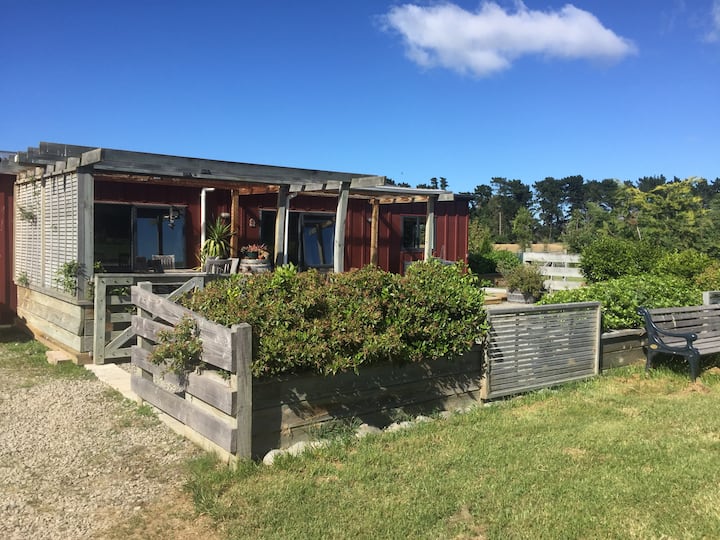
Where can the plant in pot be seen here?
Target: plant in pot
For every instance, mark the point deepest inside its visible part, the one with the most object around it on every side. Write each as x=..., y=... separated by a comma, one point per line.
x=524, y=282
x=217, y=242
x=255, y=251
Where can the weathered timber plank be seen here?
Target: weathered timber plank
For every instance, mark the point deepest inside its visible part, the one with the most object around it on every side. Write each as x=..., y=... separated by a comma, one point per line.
x=214, y=393
x=493, y=312
x=67, y=316
x=122, y=317
x=212, y=352
x=289, y=415
x=147, y=328
x=530, y=363
x=539, y=372
x=496, y=392
x=118, y=340
x=218, y=394
x=99, y=309
x=119, y=353
x=215, y=338
x=529, y=350
x=538, y=347
x=242, y=357
x=295, y=388
x=206, y=424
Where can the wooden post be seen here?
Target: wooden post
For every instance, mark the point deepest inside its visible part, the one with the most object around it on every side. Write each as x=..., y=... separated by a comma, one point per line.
x=236, y=224
x=374, y=231
x=242, y=360
x=145, y=286
x=280, y=217
x=86, y=239
x=340, y=222
x=99, y=316
x=430, y=227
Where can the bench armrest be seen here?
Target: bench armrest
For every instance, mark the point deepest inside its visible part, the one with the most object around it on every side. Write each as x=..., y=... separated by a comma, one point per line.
x=655, y=333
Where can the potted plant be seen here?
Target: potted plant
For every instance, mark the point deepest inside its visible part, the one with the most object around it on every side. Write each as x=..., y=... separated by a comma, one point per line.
x=217, y=243
x=255, y=251
x=525, y=283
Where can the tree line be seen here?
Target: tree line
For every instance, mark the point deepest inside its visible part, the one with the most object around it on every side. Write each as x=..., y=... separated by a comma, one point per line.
x=674, y=214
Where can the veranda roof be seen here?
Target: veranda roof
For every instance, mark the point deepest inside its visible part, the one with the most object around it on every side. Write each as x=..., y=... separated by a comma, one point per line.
x=55, y=158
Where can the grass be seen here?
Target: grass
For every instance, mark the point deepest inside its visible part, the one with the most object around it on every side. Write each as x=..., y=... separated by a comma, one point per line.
x=622, y=456
x=22, y=356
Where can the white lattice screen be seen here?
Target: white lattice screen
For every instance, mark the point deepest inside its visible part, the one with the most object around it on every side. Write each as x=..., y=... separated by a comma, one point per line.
x=59, y=225
x=28, y=203
x=46, y=228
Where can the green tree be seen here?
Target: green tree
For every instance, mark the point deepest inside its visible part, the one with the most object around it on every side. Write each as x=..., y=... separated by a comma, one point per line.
x=669, y=215
x=549, y=200
x=648, y=183
x=523, y=227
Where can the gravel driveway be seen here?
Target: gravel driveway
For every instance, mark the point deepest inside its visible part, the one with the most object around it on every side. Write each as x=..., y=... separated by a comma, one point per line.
x=78, y=461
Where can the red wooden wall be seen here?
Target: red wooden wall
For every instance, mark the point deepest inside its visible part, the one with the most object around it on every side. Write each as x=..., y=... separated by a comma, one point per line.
x=451, y=220
x=8, y=293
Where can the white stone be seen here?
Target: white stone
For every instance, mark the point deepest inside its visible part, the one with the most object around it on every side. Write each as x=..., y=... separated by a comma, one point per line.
x=269, y=458
x=365, y=429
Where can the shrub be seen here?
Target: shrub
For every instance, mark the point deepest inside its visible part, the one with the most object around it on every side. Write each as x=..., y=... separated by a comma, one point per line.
x=438, y=312
x=688, y=263
x=489, y=263
x=307, y=321
x=621, y=297
x=525, y=278
x=608, y=258
x=709, y=279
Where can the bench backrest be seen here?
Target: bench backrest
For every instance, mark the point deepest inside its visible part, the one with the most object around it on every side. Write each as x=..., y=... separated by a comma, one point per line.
x=697, y=319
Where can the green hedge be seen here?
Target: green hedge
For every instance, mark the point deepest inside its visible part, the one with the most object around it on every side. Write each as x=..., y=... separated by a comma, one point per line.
x=305, y=321
x=621, y=297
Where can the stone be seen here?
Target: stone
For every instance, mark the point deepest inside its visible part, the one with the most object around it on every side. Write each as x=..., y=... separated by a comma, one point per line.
x=365, y=429
x=269, y=458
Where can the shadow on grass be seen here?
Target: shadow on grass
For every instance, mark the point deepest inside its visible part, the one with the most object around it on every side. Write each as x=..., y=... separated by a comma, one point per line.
x=14, y=335
x=680, y=366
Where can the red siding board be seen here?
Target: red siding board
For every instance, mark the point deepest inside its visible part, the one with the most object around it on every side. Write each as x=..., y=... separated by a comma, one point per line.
x=8, y=291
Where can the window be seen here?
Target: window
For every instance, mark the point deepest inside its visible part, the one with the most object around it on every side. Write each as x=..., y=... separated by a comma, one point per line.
x=124, y=233
x=413, y=232
x=310, y=238
x=318, y=240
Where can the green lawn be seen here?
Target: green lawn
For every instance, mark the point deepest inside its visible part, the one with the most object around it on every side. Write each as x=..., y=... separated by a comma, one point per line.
x=23, y=357
x=621, y=456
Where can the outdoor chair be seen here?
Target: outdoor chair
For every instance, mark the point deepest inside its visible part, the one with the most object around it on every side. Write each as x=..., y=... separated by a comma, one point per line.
x=221, y=266
x=166, y=261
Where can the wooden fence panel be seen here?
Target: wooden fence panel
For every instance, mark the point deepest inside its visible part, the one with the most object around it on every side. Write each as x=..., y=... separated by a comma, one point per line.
x=562, y=270
x=538, y=346
x=215, y=410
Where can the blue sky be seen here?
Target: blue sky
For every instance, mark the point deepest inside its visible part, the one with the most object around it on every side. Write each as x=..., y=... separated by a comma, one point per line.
x=465, y=90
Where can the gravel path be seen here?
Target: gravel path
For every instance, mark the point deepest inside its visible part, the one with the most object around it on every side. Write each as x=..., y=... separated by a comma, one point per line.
x=75, y=458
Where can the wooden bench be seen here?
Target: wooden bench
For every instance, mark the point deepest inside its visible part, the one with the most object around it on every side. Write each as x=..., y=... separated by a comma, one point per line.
x=691, y=331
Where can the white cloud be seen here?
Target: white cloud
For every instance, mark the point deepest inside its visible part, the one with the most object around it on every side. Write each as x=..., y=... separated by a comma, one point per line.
x=714, y=34
x=489, y=39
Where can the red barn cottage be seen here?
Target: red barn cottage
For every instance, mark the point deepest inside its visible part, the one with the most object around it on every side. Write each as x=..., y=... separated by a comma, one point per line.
x=76, y=208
